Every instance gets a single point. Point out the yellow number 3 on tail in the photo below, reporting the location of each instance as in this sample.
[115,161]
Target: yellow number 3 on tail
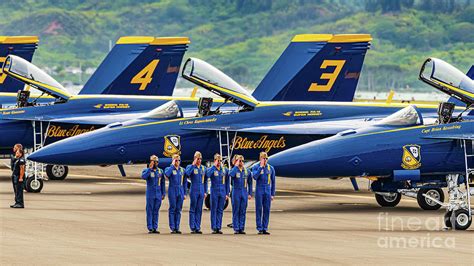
[331,77]
[144,76]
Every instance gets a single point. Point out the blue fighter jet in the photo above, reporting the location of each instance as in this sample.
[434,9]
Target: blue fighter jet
[327,64]
[136,66]
[404,153]
[252,127]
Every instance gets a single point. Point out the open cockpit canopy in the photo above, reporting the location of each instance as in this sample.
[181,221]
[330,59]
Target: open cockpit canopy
[24,71]
[208,77]
[448,79]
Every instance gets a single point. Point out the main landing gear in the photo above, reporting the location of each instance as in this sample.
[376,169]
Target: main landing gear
[427,198]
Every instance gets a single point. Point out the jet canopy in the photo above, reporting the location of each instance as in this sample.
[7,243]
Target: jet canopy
[448,79]
[24,71]
[408,116]
[207,76]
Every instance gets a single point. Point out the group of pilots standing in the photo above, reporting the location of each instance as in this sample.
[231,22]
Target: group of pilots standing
[222,179]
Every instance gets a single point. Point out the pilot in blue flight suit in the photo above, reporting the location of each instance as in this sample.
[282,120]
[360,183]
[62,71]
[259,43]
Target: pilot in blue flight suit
[176,192]
[196,173]
[241,179]
[220,189]
[155,193]
[264,174]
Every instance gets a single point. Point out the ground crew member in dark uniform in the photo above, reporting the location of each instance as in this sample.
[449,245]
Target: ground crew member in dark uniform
[196,173]
[264,174]
[220,189]
[241,180]
[18,163]
[155,193]
[176,192]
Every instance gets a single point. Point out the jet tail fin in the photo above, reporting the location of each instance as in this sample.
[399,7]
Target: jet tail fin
[22,46]
[470,73]
[316,67]
[139,66]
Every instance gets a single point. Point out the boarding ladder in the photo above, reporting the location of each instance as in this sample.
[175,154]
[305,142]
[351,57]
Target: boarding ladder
[225,145]
[35,169]
[469,165]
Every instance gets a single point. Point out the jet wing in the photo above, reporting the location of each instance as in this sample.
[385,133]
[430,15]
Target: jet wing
[296,128]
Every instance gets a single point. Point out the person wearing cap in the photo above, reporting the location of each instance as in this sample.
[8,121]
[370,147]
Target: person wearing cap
[176,192]
[264,175]
[18,163]
[241,180]
[155,193]
[220,189]
[196,172]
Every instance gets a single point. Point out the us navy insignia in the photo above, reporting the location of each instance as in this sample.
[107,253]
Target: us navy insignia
[172,145]
[411,158]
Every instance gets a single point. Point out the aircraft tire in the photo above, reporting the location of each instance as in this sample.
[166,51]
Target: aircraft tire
[56,172]
[388,201]
[427,204]
[34,186]
[207,202]
[447,219]
[462,221]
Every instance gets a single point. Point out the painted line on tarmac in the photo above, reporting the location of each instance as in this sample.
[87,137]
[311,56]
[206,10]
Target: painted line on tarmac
[323,194]
[332,194]
[118,183]
[68,193]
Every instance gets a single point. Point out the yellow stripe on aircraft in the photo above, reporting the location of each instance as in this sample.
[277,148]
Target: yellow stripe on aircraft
[19,39]
[153,40]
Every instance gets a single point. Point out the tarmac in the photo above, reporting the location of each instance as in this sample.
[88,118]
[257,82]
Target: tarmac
[97,217]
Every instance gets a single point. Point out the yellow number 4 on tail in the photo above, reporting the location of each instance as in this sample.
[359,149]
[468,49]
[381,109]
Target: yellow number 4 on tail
[144,76]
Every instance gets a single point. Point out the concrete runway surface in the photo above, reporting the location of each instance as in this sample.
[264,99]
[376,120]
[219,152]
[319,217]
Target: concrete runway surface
[97,217]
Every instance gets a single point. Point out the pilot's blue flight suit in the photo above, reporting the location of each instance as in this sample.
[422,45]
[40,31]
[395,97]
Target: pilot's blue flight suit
[155,191]
[241,188]
[196,194]
[220,188]
[176,192]
[264,190]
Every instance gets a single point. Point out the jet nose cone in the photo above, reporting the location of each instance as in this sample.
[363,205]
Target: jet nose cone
[294,162]
[49,154]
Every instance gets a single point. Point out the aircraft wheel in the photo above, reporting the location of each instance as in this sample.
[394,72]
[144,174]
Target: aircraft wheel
[207,202]
[428,204]
[462,221]
[447,219]
[388,200]
[56,172]
[33,185]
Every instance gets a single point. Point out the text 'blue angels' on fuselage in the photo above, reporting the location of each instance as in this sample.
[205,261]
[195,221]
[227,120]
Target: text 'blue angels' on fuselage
[70,115]
[252,127]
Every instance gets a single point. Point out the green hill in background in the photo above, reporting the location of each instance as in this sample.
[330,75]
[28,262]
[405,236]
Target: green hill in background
[245,37]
